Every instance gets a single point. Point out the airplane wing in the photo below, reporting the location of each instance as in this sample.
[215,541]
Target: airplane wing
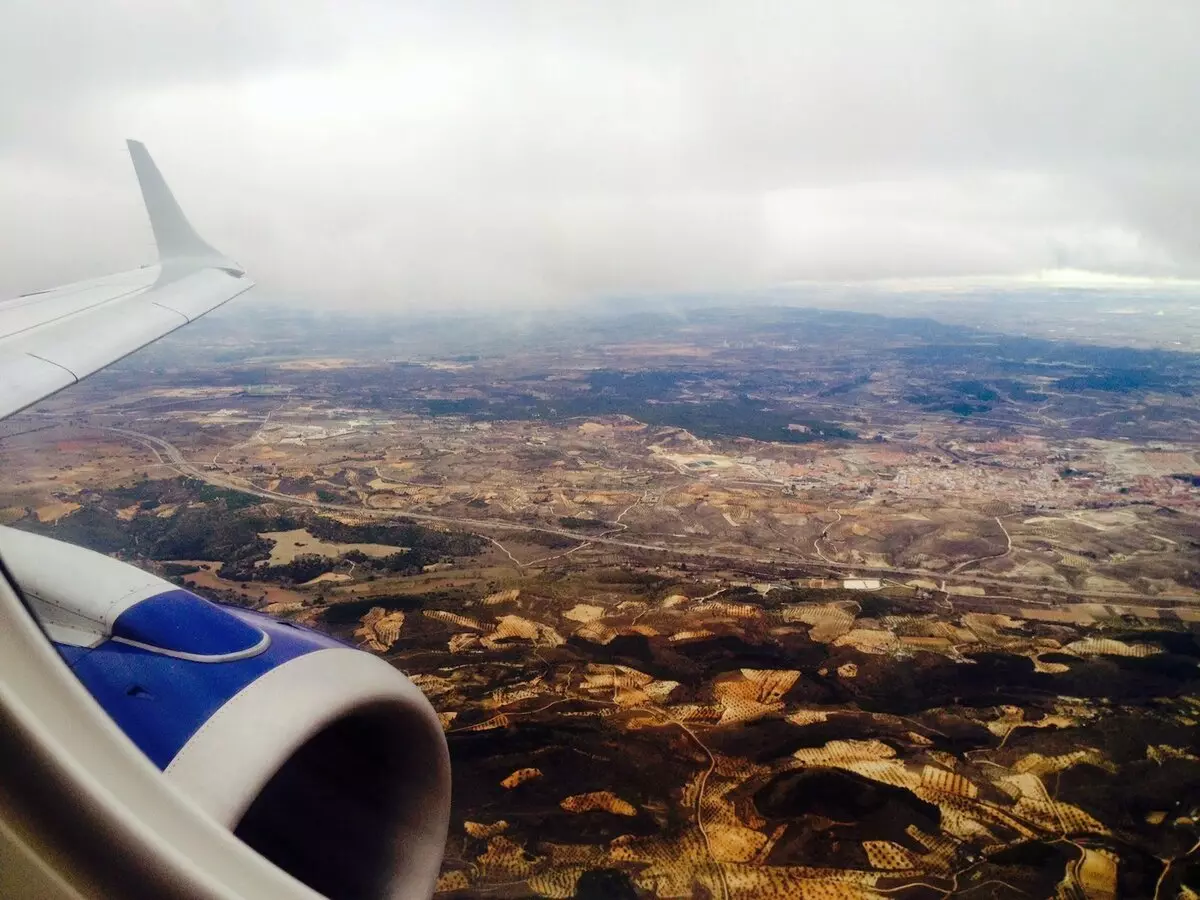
[161,740]
[51,339]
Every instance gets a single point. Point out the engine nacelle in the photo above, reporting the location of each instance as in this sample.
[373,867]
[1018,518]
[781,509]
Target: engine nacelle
[324,759]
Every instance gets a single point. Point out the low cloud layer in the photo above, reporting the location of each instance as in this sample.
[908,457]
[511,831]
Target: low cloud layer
[508,154]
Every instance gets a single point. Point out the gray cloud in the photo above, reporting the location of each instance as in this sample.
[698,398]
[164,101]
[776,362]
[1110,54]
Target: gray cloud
[466,154]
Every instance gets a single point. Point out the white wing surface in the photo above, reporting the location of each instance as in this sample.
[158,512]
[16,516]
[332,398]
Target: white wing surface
[51,339]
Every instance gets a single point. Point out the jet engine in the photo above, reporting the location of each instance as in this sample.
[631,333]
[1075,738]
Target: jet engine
[324,759]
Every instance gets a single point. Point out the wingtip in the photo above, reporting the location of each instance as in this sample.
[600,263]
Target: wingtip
[172,232]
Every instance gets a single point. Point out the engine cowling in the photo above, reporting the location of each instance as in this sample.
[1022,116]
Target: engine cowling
[324,759]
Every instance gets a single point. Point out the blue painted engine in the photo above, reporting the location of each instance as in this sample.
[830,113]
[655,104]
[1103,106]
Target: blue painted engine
[174,660]
[325,759]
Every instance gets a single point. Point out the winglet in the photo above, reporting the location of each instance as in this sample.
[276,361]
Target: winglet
[173,233]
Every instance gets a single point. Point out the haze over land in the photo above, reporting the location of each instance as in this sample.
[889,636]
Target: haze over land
[426,155]
[729,601]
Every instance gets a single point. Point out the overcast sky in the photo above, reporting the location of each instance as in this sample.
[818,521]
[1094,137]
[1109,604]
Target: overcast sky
[449,154]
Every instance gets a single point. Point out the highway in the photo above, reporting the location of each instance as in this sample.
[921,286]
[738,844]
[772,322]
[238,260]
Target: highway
[170,455]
